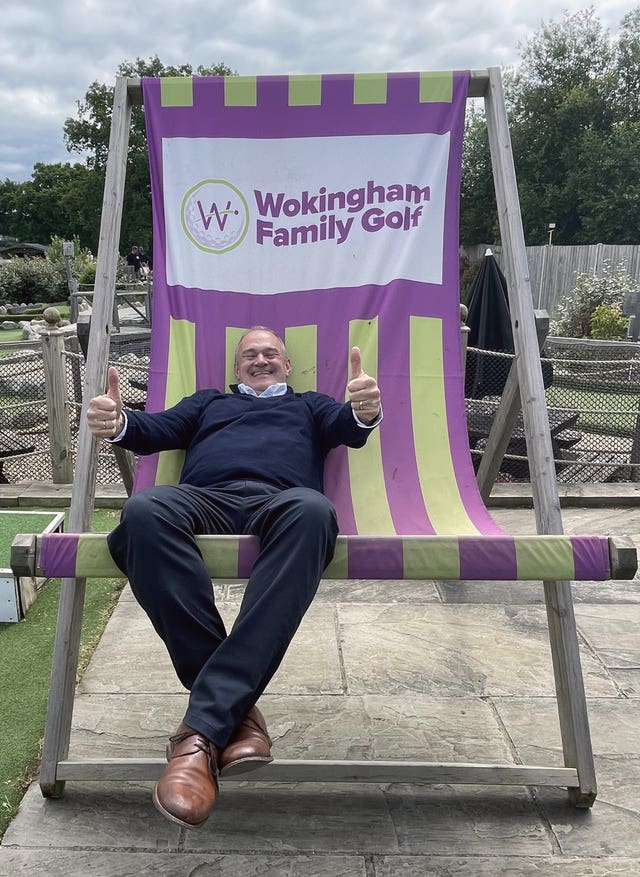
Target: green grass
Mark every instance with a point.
(10, 335)
(598, 409)
(25, 666)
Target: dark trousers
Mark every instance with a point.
(154, 546)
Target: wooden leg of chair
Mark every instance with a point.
(63, 684)
(572, 706)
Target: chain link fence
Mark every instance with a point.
(593, 399)
(24, 432)
(592, 393)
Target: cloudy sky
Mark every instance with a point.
(52, 50)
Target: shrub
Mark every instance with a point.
(574, 312)
(608, 323)
(87, 275)
(30, 281)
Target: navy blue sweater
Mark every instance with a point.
(282, 440)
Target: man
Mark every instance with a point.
(253, 465)
(133, 262)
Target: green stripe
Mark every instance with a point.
(240, 91)
(436, 87)
(305, 91)
(302, 348)
(366, 473)
(370, 88)
(339, 566)
(431, 557)
(544, 557)
(93, 559)
(181, 382)
(220, 554)
(430, 430)
(232, 339)
(176, 91)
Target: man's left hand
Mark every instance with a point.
(363, 390)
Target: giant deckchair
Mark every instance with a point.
(326, 207)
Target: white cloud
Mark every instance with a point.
(50, 53)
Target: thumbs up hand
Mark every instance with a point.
(104, 413)
(363, 390)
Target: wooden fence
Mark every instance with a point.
(553, 269)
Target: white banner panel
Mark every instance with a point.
(270, 216)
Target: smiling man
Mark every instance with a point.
(254, 461)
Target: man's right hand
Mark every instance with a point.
(104, 413)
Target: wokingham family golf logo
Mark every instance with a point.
(215, 214)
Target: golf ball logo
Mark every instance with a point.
(215, 216)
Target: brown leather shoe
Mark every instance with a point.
(249, 746)
(188, 786)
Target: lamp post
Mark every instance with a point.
(551, 227)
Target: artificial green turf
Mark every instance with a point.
(14, 522)
(10, 335)
(25, 666)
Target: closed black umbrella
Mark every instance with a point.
(489, 325)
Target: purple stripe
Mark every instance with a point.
(248, 550)
(406, 502)
(273, 118)
(58, 553)
(375, 558)
(591, 558)
(492, 558)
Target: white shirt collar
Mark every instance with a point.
(272, 390)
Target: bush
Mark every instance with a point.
(608, 323)
(590, 292)
(87, 275)
(30, 281)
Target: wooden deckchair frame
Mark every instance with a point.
(578, 774)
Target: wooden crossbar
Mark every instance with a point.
(328, 771)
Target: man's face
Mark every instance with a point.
(261, 361)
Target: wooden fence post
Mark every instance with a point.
(53, 357)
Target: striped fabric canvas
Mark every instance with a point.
(326, 207)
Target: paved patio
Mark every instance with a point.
(422, 670)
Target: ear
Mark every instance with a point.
(287, 367)
(236, 370)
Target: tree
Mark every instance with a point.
(60, 199)
(574, 115)
(89, 133)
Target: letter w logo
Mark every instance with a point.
(220, 215)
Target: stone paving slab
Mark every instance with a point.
(373, 726)
(113, 816)
(453, 650)
(613, 633)
(484, 866)
(367, 591)
(62, 863)
(531, 593)
(533, 727)
(340, 818)
(612, 826)
(628, 681)
(604, 830)
(311, 665)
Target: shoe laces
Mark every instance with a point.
(200, 744)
